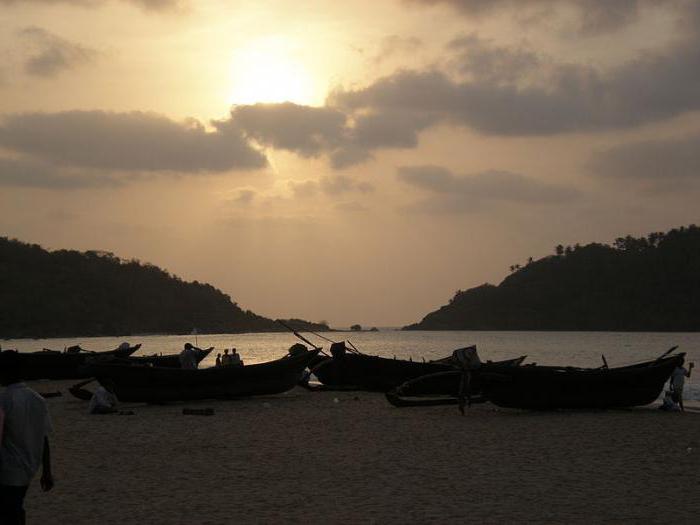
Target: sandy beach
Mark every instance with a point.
(303, 457)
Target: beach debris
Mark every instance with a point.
(198, 411)
(336, 400)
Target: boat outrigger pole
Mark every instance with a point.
(297, 334)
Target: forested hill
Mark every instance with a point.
(650, 283)
(68, 293)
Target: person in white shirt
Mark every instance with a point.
(678, 381)
(104, 400)
(24, 429)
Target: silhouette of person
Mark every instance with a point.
(24, 429)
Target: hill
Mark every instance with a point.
(67, 293)
(639, 284)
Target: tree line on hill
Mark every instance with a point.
(649, 283)
(66, 293)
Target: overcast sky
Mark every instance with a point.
(355, 162)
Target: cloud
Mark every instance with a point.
(340, 184)
(454, 193)
(305, 130)
(52, 54)
(351, 206)
(333, 186)
(659, 162)
(481, 60)
(149, 5)
(134, 142)
(591, 17)
(24, 173)
(313, 131)
(393, 45)
(512, 92)
(245, 197)
(301, 190)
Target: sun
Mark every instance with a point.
(267, 70)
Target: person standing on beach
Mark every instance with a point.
(235, 358)
(24, 442)
(678, 381)
(188, 356)
(218, 359)
(226, 358)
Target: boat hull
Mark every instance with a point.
(53, 364)
(149, 384)
(368, 372)
(547, 388)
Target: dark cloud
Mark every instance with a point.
(660, 162)
(136, 142)
(505, 93)
(481, 60)
(24, 173)
(454, 193)
(313, 131)
(305, 130)
(592, 17)
(51, 54)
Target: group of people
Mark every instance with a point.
(234, 358)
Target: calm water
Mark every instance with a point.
(551, 348)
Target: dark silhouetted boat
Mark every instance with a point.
(358, 371)
(139, 383)
(552, 387)
(166, 361)
(66, 364)
(443, 388)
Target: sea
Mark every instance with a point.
(582, 349)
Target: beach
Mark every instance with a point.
(350, 457)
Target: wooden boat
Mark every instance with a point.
(552, 387)
(443, 388)
(369, 372)
(158, 385)
(166, 361)
(70, 364)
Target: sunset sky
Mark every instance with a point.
(356, 162)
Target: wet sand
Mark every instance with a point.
(301, 457)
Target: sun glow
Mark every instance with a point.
(266, 70)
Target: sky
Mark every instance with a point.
(352, 162)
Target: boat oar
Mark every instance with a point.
(666, 352)
(297, 334)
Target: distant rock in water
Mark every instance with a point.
(66, 293)
(641, 284)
